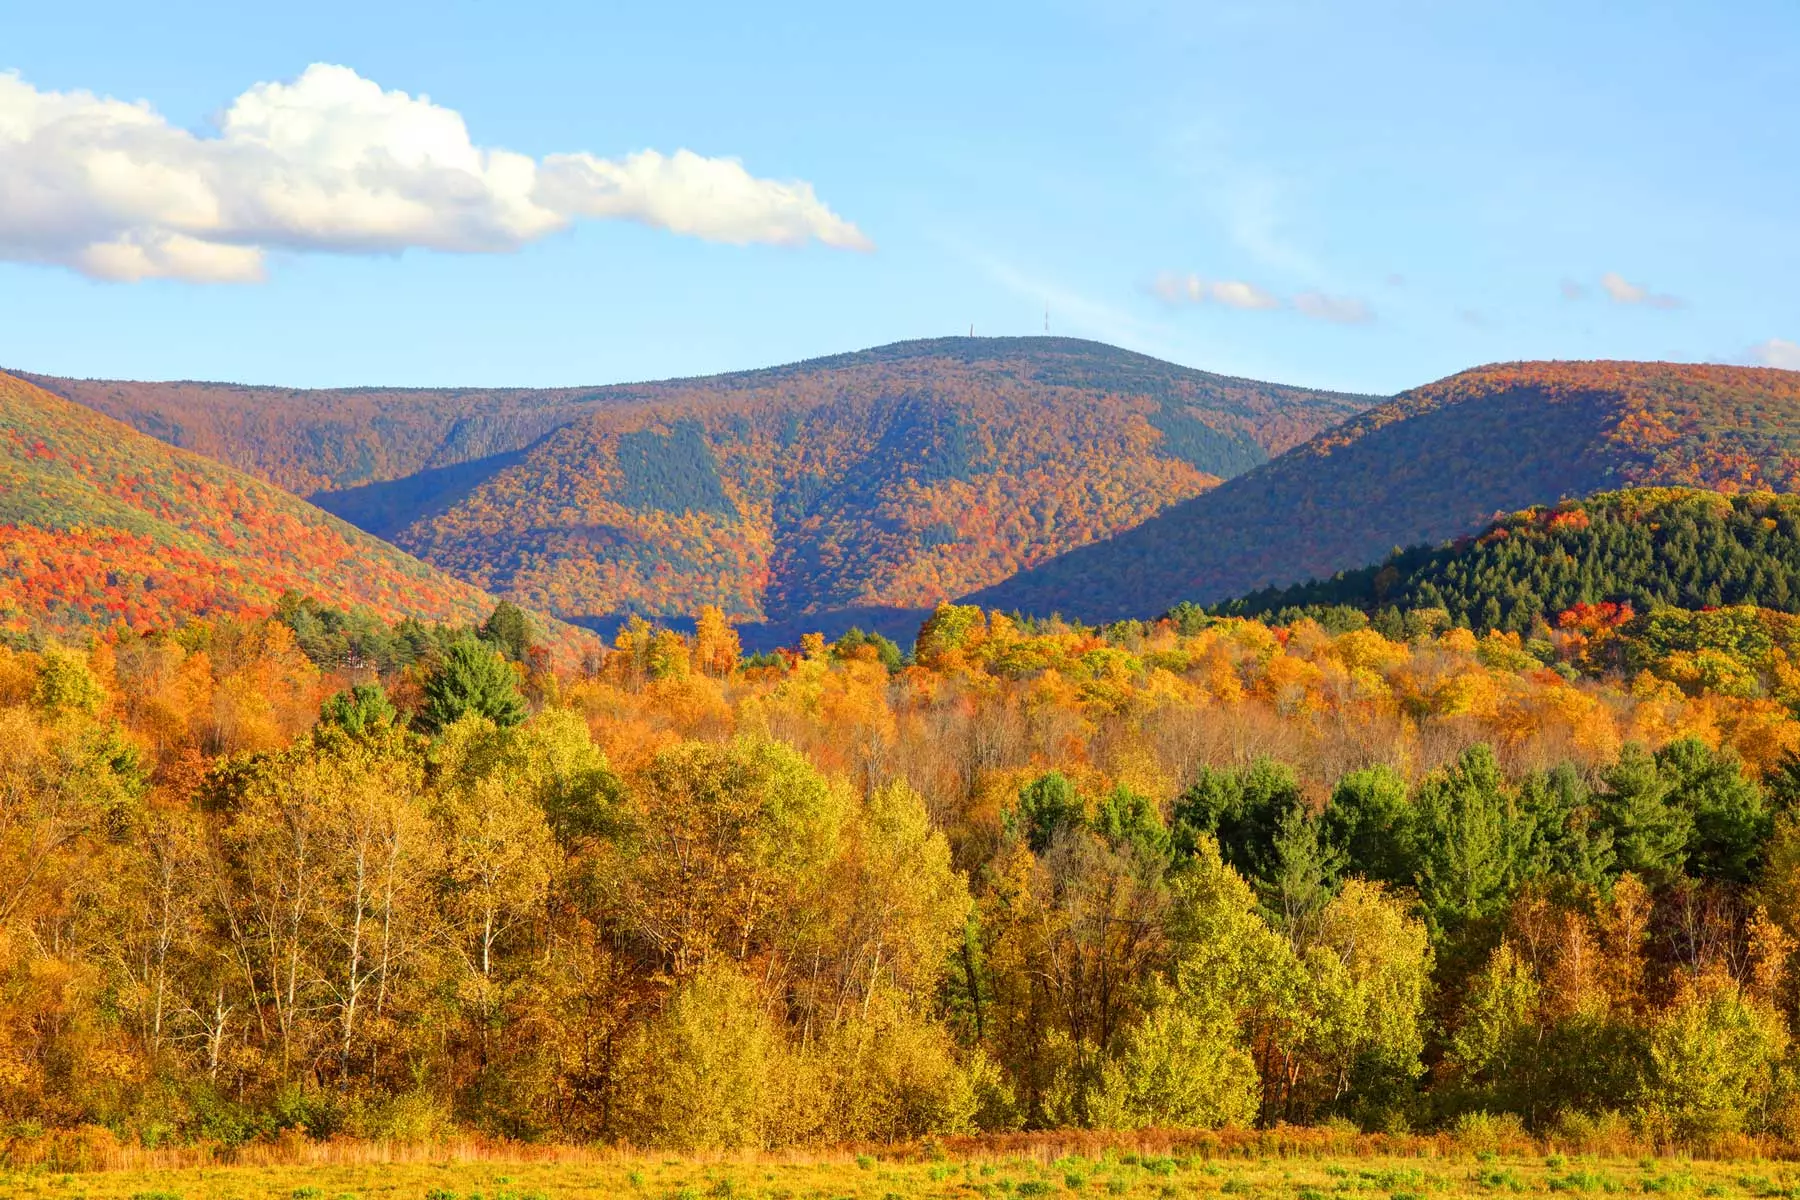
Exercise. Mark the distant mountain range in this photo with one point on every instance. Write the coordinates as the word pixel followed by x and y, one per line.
pixel 1037 474
pixel 1435 463
pixel 101 525
pixel 848 488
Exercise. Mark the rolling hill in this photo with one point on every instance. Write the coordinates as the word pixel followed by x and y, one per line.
pixel 1645 548
pixel 852 486
pixel 100 525
pixel 1435 463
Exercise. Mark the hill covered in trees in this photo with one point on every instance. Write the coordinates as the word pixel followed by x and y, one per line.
pixel 889 478
pixel 101 525
pixel 1435 463
pixel 1640 548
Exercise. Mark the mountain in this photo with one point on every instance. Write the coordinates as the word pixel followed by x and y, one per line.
pixel 888 479
pixel 1435 463
pixel 1647 548
pixel 100 524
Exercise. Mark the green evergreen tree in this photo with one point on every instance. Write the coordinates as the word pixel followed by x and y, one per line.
pixel 1047 806
pixel 1369 822
pixel 362 711
pixel 1731 820
pixel 1243 809
pixel 1469 839
pixel 471 678
pixel 1303 876
pixel 508 630
pixel 1129 820
pixel 1570 839
pixel 1650 835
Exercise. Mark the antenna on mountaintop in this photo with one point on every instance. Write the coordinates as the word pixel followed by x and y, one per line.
pixel 971 330
pixel 1046 320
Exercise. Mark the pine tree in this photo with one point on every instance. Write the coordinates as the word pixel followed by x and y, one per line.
pixel 471 678
pixel 1650 835
pixel 508 630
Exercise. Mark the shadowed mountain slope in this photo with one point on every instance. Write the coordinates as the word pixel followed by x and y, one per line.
pixel 1432 464
pixel 1644 548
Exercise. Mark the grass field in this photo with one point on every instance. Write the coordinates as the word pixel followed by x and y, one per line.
pixel 1109 1173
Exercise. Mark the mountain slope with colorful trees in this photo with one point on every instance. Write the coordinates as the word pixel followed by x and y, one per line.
pixel 1436 463
pixel 889 478
pixel 102 526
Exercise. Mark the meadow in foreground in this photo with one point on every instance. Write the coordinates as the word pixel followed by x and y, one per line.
pixel 1043 1173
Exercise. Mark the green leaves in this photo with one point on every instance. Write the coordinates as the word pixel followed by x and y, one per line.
pixel 471 679
pixel 1470 839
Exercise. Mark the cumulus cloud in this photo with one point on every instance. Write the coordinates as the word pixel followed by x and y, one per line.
pixel 1777 352
pixel 331 162
pixel 1176 289
pixel 1621 291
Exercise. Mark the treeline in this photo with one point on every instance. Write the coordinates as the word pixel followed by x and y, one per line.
pixel 273 875
pixel 1646 548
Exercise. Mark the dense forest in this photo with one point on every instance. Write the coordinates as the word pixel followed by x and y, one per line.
pixel 1634 550
pixel 1438 462
pixel 315 872
pixel 891 478
pixel 100 525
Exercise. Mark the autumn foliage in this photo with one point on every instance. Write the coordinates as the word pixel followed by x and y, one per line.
pixel 1437 463
pixel 895 477
pixel 102 526
pixel 1183 874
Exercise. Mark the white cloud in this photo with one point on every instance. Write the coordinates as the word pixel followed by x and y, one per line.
pixel 1175 289
pixel 1622 291
pixel 1191 289
pixel 1236 294
pixel 1777 352
pixel 331 162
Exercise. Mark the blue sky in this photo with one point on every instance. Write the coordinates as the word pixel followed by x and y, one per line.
pixel 1360 196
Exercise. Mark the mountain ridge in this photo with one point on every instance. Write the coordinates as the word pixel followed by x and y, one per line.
pixel 888 478
pixel 1434 463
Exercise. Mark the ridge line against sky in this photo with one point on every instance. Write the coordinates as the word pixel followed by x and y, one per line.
pixel 1361 199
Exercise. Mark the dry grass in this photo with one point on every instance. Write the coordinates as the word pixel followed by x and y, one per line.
pixel 1250 1167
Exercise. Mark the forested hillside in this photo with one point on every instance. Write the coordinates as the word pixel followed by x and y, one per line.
pixel 100 525
pixel 1642 549
pixel 1437 463
pixel 890 478
pixel 1175 875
